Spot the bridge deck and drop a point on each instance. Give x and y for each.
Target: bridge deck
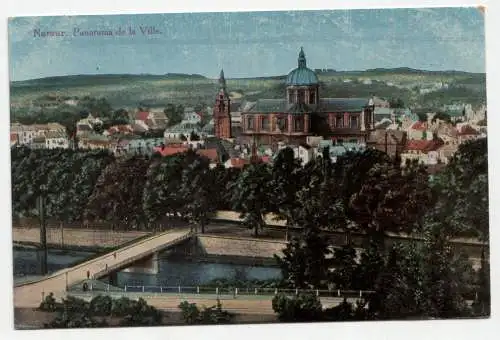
(30, 294)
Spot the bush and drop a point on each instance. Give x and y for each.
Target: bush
(192, 315)
(301, 308)
(49, 304)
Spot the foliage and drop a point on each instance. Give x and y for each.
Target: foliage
(304, 307)
(77, 313)
(198, 187)
(49, 304)
(192, 315)
(250, 195)
(117, 195)
(174, 113)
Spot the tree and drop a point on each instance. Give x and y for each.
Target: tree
(396, 103)
(197, 189)
(117, 196)
(250, 195)
(174, 113)
(193, 137)
(285, 174)
(422, 117)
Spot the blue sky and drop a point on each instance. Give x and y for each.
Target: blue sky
(251, 44)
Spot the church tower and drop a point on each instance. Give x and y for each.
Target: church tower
(222, 111)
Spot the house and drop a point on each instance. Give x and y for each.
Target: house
(14, 139)
(336, 150)
(144, 146)
(190, 116)
(423, 150)
(121, 147)
(419, 130)
(159, 119)
(380, 103)
(26, 133)
(446, 151)
(93, 141)
(236, 162)
(140, 119)
(56, 140)
(465, 133)
(392, 142)
(119, 130)
(182, 129)
(38, 142)
(303, 152)
(383, 112)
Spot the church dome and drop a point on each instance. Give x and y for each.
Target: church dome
(302, 75)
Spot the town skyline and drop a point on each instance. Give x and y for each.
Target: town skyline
(249, 44)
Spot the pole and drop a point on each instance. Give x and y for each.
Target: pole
(66, 276)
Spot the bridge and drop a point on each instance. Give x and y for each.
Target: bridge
(29, 295)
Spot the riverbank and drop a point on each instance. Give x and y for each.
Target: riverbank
(75, 239)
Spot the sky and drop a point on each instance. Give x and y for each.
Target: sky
(248, 44)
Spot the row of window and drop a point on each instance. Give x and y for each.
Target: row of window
(299, 96)
(282, 124)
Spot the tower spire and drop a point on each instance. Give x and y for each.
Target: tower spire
(222, 81)
(302, 58)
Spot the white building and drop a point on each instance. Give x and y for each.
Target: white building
(56, 140)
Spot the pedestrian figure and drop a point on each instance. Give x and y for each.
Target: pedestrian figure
(114, 255)
(88, 274)
(106, 266)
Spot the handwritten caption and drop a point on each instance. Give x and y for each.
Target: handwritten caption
(79, 32)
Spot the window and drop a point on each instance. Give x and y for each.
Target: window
(354, 122)
(312, 97)
(299, 124)
(265, 124)
(250, 123)
(339, 121)
(291, 97)
(281, 124)
(302, 95)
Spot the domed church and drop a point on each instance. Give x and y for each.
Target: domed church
(301, 113)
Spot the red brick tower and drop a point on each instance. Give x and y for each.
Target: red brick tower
(222, 111)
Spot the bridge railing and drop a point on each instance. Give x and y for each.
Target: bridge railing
(237, 291)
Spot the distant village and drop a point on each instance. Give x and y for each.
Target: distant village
(236, 132)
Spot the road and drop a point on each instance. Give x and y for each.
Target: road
(29, 295)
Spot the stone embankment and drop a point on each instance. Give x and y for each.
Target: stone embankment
(67, 238)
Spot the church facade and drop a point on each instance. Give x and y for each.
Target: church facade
(301, 113)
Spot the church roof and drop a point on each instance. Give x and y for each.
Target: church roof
(325, 105)
(342, 104)
(270, 105)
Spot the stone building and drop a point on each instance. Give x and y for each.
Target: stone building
(300, 114)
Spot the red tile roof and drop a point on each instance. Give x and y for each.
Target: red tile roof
(239, 162)
(467, 130)
(423, 145)
(211, 154)
(265, 159)
(419, 126)
(14, 137)
(142, 115)
(169, 151)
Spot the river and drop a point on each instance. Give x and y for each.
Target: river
(172, 272)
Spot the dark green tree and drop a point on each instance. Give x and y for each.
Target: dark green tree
(250, 195)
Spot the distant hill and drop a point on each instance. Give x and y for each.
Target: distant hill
(101, 79)
(398, 70)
